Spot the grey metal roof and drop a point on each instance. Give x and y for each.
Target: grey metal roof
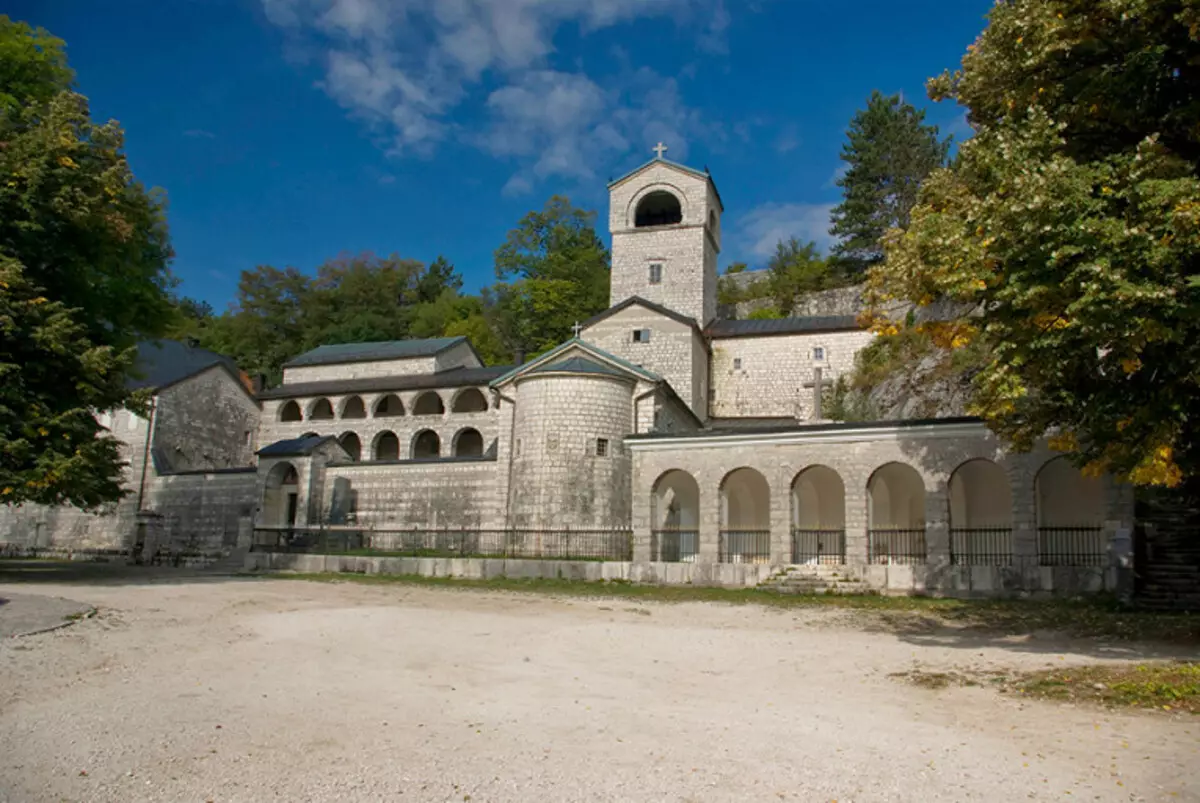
(739, 424)
(577, 365)
(796, 426)
(387, 350)
(575, 342)
(295, 447)
(160, 363)
(783, 326)
(454, 378)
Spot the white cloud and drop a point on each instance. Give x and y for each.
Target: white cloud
(758, 231)
(788, 138)
(406, 67)
(837, 175)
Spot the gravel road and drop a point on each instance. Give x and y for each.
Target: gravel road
(259, 690)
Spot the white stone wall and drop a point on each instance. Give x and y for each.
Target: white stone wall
(360, 370)
(687, 250)
(856, 454)
(206, 422)
(419, 495)
(557, 480)
(676, 352)
(775, 371)
(406, 427)
(201, 512)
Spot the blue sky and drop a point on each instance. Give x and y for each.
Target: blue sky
(286, 132)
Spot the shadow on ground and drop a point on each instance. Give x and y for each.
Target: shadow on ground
(111, 573)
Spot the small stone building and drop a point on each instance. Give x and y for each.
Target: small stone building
(702, 438)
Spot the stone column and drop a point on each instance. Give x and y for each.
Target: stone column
(1024, 520)
(937, 527)
(856, 522)
(780, 521)
(641, 515)
(710, 522)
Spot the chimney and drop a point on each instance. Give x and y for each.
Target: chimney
(816, 407)
(258, 383)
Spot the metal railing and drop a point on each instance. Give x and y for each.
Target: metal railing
(825, 547)
(675, 546)
(1072, 546)
(906, 547)
(558, 544)
(744, 546)
(981, 546)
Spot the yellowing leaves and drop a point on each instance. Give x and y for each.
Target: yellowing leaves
(1158, 468)
(67, 161)
(1064, 442)
(1130, 365)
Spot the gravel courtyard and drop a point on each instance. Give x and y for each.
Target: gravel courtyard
(224, 689)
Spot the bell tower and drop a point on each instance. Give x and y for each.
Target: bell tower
(665, 220)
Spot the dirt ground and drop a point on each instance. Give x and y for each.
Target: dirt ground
(223, 689)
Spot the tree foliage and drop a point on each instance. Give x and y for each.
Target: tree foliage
(1069, 229)
(83, 259)
(889, 152)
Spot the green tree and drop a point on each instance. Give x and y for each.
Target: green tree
(793, 270)
(889, 152)
(559, 272)
(84, 250)
(1069, 232)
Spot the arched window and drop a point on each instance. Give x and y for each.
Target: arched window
(468, 443)
(675, 533)
(1070, 516)
(745, 517)
(980, 515)
(353, 446)
(469, 401)
(818, 516)
(389, 406)
(322, 410)
(896, 515)
(280, 495)
(387, 446)
(290, 411)
(426, 445)
(658, 208)
(353, 408)
(428, 403)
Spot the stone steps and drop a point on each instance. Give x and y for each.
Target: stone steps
(816, 580)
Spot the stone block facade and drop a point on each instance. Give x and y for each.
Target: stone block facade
(773, 375)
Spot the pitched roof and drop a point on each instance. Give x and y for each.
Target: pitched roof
(295, 447)
(701, 174)
(577, 365)
(386, 350)
(453, 378)
(783, 326)
(650, 305)
(160, 363)
(603, 357)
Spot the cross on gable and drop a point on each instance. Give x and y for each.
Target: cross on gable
(577, 328)
(660, 149)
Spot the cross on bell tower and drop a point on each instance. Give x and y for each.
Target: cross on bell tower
(660, 149)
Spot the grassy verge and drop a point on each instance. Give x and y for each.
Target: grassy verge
(1161, 686)
(1091, 618)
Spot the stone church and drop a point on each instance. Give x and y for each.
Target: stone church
(701, 440)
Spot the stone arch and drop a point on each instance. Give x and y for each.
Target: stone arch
(1066, 498)
(658, 208)
(310, 435)
(281, 494)
(386, 446)
(745, 517)
(980, 514)
(352, 444)
(426, 445)
(353, 407)
(675, 517)
(389, 406)
(321, 410)
(428, 403)
(818, 516)
(290, 411)
(469, 400)
(467, 443)
(896, 515)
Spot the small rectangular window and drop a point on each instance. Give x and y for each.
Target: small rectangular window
(819, 354)
(601, 447)
(641, 335)
(655, 272)
(737, 363)
(518, 449)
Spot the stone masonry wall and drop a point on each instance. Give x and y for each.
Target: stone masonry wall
(557, 479)
(838, 301)
(776, 373)
(208, 421)
(419, 495)
(200, 512)
(674, 352)
(687, 250)
(360, 370)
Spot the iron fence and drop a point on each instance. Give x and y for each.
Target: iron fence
(745, 546)
(558, 544)
(675, 546)
(906, 547)
(1072, 546)
(825, 547)
(981, 546)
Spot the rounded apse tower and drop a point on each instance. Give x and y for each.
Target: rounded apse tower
(569, 464)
